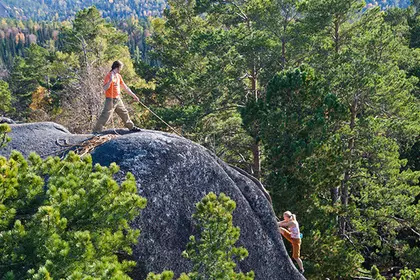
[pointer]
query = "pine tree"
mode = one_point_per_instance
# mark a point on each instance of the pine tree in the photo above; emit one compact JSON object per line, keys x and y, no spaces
{"x":213,"y":250}
{"x":5,"y":97}
{"x":4,"y":129}
{"x":343,"y":163}
{"x":27,"y":75}
{"x":65,"y":218}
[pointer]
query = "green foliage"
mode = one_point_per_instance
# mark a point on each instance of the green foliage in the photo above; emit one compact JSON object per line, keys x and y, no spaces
{"x":337,"y":138}
{"x":166,"y":275}
{"x":63,"y":81}
{"x":375,"y":273}
{"x":30,"y":73}
{"x":200,"y":71}
{"x":65,"y":218}
{"x":333,"y":142}
{"x":334,"y":138}
{"x":375,"y":192}
{"x":4,"y":129}
{"x":91,"y":36}
{"x":213,"y":251}
{"x":407,"y":274}
{"x":294,"y":118}
{"x":390,"y":3}
{"x":17,"y":35}
{"x":5,"y":97}
{"x":53,"y":10}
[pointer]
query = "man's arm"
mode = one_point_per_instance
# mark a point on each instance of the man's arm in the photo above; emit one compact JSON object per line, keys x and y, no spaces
{"x":108,"y":84}
{"x":127,"y":89}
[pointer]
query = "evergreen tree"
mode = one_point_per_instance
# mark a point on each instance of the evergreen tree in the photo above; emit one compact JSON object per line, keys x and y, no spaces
{"x":95,"y":44}
{"x":5,"y":96}
{"x":4,"y":129}
{"x":294,"y":118}
{"x":344,"y":161}
{"x":65,"y":219}
{"x":27,"y":75}
{"x":213,"y":251}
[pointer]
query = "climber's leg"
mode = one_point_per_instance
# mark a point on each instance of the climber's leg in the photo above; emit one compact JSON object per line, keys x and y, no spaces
{"x":286,"y":234}
{"x":296,"y":253}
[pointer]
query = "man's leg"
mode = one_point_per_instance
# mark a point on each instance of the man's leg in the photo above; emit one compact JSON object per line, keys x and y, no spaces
{"x":105,"y":115}
{"x":123,"y":113}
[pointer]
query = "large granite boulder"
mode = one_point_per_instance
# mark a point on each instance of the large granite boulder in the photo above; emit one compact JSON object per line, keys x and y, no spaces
{"x":174,"y":173}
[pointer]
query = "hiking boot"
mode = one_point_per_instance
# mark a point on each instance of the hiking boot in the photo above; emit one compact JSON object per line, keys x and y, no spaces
{"x":135,"y":129}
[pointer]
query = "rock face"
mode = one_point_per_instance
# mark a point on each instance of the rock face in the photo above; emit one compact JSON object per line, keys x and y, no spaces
{"x":173,"y":174}
{"x":6,"y":120}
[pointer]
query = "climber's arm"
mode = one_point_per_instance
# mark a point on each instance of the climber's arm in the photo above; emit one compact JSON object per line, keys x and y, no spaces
{"x":283,"y":224}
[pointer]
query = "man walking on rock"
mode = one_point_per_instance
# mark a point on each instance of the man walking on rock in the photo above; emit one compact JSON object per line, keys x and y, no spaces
{"x":112,"y":87}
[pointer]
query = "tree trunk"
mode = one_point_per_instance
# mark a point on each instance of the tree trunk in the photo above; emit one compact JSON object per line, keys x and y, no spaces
{"x":335,"y":191}
{"x":256,"y":166}
{"x":337,"y":36}
{"x":283,"y":53}
{"x":255,"y":148}
{"x":347,"y":172}
{"x":335,"y":195}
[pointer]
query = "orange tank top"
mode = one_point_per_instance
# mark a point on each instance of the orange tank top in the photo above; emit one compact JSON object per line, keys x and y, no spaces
{"x":114,"y":89}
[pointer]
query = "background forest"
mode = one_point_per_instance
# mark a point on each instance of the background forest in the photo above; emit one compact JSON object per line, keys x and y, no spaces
{"x":319,"y":99}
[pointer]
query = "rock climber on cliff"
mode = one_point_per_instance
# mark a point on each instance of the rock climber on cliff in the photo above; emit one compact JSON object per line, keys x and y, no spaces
{"x":289,"y":228}
{"x":112,"y":87}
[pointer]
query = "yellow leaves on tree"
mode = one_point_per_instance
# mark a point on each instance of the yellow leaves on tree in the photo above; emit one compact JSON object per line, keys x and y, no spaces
{"x":20,"y":37}
{"x":40,"y":98}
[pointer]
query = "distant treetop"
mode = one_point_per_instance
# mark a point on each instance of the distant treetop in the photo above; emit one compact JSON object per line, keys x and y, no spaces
{"x":64,"y":10}
{"x":388,"y":3}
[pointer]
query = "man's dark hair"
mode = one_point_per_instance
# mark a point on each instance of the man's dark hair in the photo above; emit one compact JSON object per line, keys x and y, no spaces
{"x":116,"y":64}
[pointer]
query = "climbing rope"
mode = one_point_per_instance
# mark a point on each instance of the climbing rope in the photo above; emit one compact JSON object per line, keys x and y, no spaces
{"x":90,"y":144}
{"x":162,"y":120}
{"x":85,"y":147}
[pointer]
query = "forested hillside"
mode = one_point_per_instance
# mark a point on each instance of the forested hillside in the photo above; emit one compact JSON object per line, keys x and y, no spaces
{"x":17,"y":35}
{"x":319,"y":100}
{"x":115,"y":9}
{"x":64,"y":10}
{"x":39,"y":22}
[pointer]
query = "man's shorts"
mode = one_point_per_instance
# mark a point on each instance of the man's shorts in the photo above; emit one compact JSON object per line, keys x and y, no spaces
{"x":296,"y":242}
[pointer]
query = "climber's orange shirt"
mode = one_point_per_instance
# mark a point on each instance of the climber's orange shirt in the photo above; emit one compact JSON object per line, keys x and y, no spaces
{"x":114,"y":90}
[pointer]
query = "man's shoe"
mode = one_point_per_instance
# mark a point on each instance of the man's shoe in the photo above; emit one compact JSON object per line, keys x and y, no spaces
{"x":135,"y":129}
